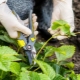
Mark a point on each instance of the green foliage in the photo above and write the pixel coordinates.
(59, 77)
(38, 45)
(15, 69)
(7, 56)
(65, 52)
(14, 65)
(21, 71)
(38, 76)
(63, 26)
(44, 77)
(47, 69)
(70, 65)
(78, 77)
(5, 37)
(23, 75)
(49, 51)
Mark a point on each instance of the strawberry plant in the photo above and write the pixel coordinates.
(14, 65)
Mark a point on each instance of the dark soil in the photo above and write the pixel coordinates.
(73, 40)
(76, 40)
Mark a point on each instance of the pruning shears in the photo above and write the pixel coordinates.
(28, 42)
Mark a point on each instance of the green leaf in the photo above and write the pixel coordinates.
(34, 76)
(2, 74)
(65, 29)
(7, 50)
(9, 77)
(68, 50)
(59, 77)
(44, 77)
(23, 65)
(59, 69)
(63, 26)
(5, 37)
(58, 23)
(46, 68)
(49, 51)
(38, 76)
(7, 56)
(4, 64)
(38, 45)
(24, 75)
(78, 76)
(70, 65)
(11, 57)
(73, 34)
(15, 68)
(73, 76)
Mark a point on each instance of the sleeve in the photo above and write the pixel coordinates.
(1, 1)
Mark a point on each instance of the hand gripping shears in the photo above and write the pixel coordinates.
(28, 42)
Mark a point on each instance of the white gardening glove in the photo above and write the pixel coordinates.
(10, 22)
(63, 11)
(26, 21)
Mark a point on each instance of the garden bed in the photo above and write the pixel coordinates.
(73, 40)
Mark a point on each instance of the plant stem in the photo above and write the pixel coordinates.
(56, 34)
(1, 75)
(77, 33)
(42, 49)
(36, 69)
(43, 46)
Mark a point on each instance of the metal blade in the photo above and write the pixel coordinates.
(30, 58)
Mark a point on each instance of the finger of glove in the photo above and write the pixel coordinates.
(61, 37)
(52, 32)
(49, 29)
(17, 26)
(34, 21)
(34, 18)
(35, 25)
(36, 33)
(13, 34)
(26, 21)
(24, 29)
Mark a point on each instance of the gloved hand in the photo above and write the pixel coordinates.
(35, 24)
(63, 11)
(11, 24)
(26, 21)
(56, 32)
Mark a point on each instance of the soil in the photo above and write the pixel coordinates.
(76, 40)
(73, 40)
